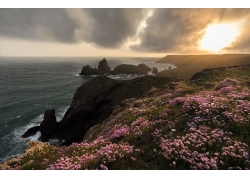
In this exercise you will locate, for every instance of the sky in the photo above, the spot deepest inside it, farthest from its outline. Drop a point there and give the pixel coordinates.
(123, 32)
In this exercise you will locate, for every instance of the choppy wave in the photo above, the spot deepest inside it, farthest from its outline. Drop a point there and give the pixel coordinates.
(13, 141)
(60, 113)
(124, 76)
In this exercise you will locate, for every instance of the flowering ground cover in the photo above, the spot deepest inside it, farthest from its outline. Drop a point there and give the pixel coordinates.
(199, 124)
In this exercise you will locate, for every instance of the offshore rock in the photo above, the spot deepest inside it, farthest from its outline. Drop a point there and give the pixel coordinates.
(87, 70)
(103, 67)
(144, 66)
(95, 100)
(128, 69)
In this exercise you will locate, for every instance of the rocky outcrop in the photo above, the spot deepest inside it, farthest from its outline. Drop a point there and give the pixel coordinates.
(94, 101)
(155, 70)
(48, 125)
(128, 69)
(31, 132)
(144, 66)
(103, 67)
(87, 70)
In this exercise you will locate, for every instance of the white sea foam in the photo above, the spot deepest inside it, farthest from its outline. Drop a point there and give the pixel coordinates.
(36, 136)
(15, 143)
(60, 113)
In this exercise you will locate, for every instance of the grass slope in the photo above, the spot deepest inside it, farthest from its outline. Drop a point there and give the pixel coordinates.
(194, 124)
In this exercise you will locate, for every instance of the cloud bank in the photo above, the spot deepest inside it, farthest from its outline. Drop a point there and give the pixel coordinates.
(166, 30)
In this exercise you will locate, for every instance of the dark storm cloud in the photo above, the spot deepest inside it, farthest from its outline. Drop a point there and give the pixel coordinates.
(167, 30)
(111, 27)
(103, 27)
(37, 24)
(179, 30)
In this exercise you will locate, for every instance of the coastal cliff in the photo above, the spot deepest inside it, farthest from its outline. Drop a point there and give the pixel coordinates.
(93, 102)
(200, 123)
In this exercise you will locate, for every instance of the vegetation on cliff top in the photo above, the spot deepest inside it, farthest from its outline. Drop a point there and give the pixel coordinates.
(188, 65)
(195, 124)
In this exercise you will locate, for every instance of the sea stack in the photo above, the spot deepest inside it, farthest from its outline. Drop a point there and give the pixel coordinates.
(155, 70)
(87, 70)
(144, 66)
(103, 67)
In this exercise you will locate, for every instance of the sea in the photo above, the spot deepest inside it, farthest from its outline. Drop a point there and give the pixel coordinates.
(31, 85)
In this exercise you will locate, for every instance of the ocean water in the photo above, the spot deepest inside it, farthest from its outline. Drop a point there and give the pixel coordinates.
(31, 85)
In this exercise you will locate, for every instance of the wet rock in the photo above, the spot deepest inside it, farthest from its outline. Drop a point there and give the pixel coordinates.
(31, 131)
(48, 125)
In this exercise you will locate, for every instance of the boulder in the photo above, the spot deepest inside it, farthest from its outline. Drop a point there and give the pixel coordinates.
(155, 70)
(128, 69)
(31, 131)
(144, 66)
(87, 70)
(48, 125)
(103, 67)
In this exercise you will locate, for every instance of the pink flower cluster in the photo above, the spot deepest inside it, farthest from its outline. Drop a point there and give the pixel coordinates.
(122, 131)
(176, 101)
(82, 154)
(228, 82)
(195, 148)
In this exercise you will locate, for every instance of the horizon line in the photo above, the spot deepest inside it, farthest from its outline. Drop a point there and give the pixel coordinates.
(134, 56)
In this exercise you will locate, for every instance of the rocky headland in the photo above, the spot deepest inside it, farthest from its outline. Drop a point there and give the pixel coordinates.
(188, 65)
(93, 102)
(103, 68)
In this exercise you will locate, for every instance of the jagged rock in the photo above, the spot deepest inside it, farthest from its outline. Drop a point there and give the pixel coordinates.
(87, 70)
(103, 67)
(144, 66)
(155, 70)
(48, 125)
(31, 131)
(128, 69)
(95, 100)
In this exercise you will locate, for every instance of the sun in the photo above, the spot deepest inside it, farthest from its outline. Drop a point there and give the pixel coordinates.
(218, 36)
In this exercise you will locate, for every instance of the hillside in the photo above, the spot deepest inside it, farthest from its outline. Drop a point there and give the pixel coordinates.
(188, 65)
(201, 123)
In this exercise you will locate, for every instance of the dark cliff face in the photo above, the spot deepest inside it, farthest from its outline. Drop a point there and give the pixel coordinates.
(48, 125)
(95, 100)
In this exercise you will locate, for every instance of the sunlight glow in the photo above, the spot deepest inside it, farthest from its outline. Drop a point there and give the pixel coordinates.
(136, 40)
(219, 36)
